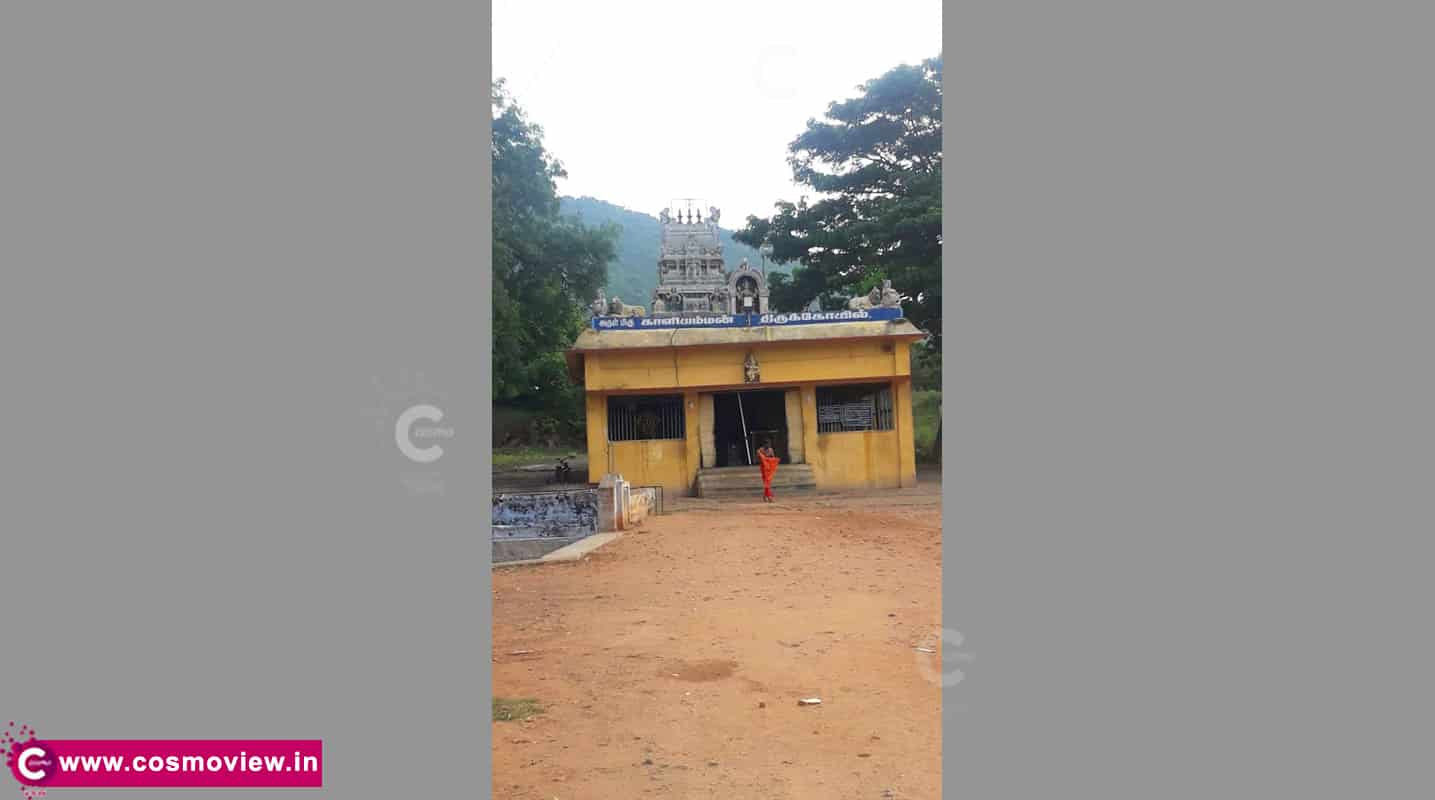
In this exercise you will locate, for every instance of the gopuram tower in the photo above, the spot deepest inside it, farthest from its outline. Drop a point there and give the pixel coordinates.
(692, 278)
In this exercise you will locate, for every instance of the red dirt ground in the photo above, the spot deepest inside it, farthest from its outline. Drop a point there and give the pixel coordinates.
(671, 661)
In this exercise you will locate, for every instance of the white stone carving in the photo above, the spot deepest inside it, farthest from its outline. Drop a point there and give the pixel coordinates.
(891, 298)
(618, 308)
(869, 300)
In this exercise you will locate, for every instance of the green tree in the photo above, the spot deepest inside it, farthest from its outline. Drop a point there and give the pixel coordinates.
(875, 165)
(926, 367)
(546, 269)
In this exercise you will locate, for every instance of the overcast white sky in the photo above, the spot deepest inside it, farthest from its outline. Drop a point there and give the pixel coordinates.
(644, 102)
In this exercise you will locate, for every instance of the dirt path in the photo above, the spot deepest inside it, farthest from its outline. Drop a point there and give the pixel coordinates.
(670, 662)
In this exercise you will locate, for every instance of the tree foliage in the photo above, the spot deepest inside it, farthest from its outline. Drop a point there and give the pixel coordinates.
(926, 367)
(875, 166)
(546, 268)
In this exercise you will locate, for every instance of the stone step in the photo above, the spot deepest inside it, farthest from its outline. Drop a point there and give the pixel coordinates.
(750, 476)
(724, 473)
(754, 495)
(754, 483)
(754, 470)
(747, 481)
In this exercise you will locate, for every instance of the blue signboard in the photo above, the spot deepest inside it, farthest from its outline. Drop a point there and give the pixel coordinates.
(878, 314)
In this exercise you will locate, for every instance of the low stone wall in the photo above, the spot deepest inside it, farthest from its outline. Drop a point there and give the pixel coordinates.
(529, 523)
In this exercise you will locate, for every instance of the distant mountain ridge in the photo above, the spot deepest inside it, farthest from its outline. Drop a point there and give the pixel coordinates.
(633, 273)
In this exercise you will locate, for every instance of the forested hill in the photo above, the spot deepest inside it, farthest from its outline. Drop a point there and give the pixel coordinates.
(633, 273)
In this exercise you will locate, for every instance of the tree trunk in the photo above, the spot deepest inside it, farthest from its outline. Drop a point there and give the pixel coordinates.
(937, 445)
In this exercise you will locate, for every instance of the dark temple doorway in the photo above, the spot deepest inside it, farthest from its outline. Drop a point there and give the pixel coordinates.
(761, 414)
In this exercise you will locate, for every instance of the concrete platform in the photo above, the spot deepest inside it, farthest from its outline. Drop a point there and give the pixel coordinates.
(571, 552)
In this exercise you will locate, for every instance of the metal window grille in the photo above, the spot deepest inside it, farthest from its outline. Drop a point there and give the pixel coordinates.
(634, 418)
(866, 407)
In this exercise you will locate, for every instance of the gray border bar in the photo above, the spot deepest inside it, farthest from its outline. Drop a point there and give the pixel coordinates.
(1188, 398)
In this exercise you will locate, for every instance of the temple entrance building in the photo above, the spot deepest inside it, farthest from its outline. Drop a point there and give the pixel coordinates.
(684, 398)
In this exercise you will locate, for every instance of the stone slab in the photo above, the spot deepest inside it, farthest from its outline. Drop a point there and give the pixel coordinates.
(570, 552)
(522, 550)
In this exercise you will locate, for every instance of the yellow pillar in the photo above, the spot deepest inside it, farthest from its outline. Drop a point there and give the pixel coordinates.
(707, 446)
(796, 441)
(597, 404)
(692, 432)
(906, 432)
(809, 429)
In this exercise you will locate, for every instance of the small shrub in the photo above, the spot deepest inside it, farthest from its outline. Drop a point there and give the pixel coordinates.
(513, 709)
(545, 431)
(926, 420)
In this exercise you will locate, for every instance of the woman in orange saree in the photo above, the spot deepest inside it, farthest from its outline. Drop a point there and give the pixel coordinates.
(767, 460)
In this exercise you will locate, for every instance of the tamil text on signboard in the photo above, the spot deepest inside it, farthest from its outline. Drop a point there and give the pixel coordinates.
(745, 320)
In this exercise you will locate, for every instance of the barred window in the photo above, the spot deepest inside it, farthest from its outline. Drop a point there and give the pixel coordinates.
(864, 407)
(632, 418)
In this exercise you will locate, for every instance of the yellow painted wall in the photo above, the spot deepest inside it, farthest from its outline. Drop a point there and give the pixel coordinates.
(857, 460)
(669, 463)
(656, 462)
(862, 459)
(866, 459)
(721, 365)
